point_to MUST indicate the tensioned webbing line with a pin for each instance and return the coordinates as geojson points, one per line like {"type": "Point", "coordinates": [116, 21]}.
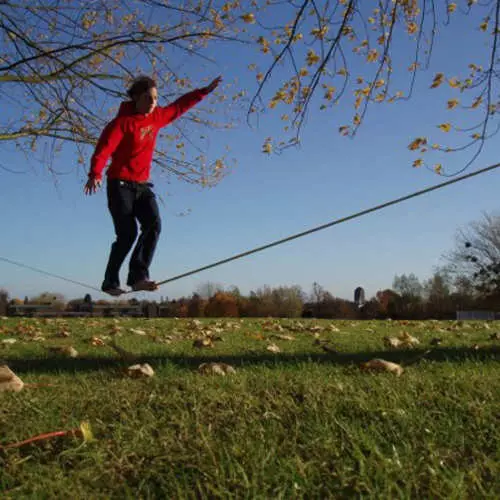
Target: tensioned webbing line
{"type": "Point", "coordinates": [283, 240]}
{"type": "Point", "coordinates": [333, 223]}
{"type": "Point", "coordinates": [10, 261]}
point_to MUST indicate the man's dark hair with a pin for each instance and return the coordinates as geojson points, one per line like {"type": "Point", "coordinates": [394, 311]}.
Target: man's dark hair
{"type": "Point", "coordinates": [140, 85]}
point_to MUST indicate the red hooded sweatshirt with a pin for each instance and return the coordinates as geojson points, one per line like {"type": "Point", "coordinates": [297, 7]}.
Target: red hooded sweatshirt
{"type": "Point", "coordinates": [130, 138]}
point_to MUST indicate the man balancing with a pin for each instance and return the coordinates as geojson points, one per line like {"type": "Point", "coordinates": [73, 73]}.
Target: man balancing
{"type": "Point", "coordinates": [130, 140]}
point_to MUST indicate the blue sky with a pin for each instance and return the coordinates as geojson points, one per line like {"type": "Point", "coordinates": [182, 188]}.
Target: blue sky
{"type": "Point", "coordinates": [264, 198]}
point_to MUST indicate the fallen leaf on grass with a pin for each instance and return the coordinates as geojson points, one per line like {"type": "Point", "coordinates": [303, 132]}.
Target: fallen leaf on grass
{"type": "Point", "coordinates": [436, 341]}
{"type": "Point", "coordinates": [316, 329]}
{"type": "Point", "coordinates": [392, 342]}
{"type": "Point", "coordinates": [140, 370]}
{"type": "Point", "coordinates": [215, 369]}
{"type": "Point", "coordinates": [9, 381]}
{"type": "Point", "coordinates": [137, 331]}
{"type": "Point", "coordinates": [273, 348]}
{"type": "Point", "coordinates": [63, 333]}
{"type": "Point", "coordinates": [84, 431]}
{"type": "Point", "coordinates": [382, 365]}
{"type": "Point", "coordinates": [408, 339]}
{"type": "Point", "coordinates": [195, 323]}
{"type": "Point", "coordinates": [8, 341]}
{"type": "Point", "coordinates": [97, 341]}
{"type": "Point", "coordinates": [203, 342]}
{"type": "Point", "coordinates": [495, 336]}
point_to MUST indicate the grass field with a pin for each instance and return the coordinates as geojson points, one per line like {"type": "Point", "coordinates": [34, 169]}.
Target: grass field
{"type": "Point", "coordinates": [305, 422]}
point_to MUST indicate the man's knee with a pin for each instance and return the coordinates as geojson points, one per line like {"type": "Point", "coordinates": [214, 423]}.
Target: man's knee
{"type": "Point", "coordinates": [153, 226]}
{"type": "Point", "coordinates": [127, 233]}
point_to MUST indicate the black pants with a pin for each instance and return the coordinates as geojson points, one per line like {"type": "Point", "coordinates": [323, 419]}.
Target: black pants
{"type": "Point", "coordinates": [129, 202]}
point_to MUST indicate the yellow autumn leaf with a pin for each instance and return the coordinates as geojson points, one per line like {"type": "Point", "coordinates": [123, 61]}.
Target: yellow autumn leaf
{"type": "Point", "coordinates": [357, 119]}
{"type": "Point", "coordinates": [476, 136]}
{"type": "Point", "coordinates": [454, 83]}
{"type": "Point", "coordinates": [484, 25]}
{"type": "Point", "coordinates": [452, 103]}
{"type": "Point", "coordinates": [445, 127]}
{"type": "Point", "coordinates": [312, 57]}
{"type": "Point", "coordinates": [452, 7]}
{"type": "Point", "coordinates": [358, 102]}
{"type": "Point", "coordinates": [438, 80]}
{"type": "Point", "coordinates": [248, 18]}
{"type": "Point", "coordinates": [438, 168]}
{"type": "Point", "coordinates": [418, 162]}
{"type": "Point", "coordinates": [329, 93]}
{"type": "Point", "coordinates": [86, 432]}
{"type": "Point", "coordinates": [379, 83]}
{"type": "Point", "coordinates": [372, 55]}
{"type": "Point", "coordinates": [417, 143]}
{"type": "Point", "coordinates": [267, 147]}
{"type": "Point", "coordinates": [382, 365]}
{"type": "Point", "coordinates": [320, 32]}
{"type": "Point", "coordinates": [412, 27]}
{"type": "Point", "coordinates": [344, 130]}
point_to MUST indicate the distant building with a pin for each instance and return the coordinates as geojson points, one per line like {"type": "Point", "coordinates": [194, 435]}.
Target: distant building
{"type": "Point", "coordinates": [359, 296]}
{"type": "Point", "coordinates": [478, 315]}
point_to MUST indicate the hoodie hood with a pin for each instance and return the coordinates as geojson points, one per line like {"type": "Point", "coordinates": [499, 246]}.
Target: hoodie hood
{"type": "Point", "coordinates": [127, 108]}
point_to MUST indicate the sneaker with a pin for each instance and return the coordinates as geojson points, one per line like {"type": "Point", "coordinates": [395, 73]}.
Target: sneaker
{"type": "Point", "coordinates": [114, 291]}
{"type": "Point", "coordinates": [145, 285]}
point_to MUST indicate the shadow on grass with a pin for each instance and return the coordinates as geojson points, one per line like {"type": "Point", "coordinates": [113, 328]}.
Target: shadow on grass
{"type": "Point", "coordinates": [88, 363]}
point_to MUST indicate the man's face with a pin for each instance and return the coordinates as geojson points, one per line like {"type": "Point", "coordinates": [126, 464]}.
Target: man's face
{"type": "Point", "coordinates": [147, 101]}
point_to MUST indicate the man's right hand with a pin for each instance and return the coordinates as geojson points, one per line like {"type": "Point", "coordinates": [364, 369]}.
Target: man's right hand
{"type": "Point", "coordinates": [92, 186]}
